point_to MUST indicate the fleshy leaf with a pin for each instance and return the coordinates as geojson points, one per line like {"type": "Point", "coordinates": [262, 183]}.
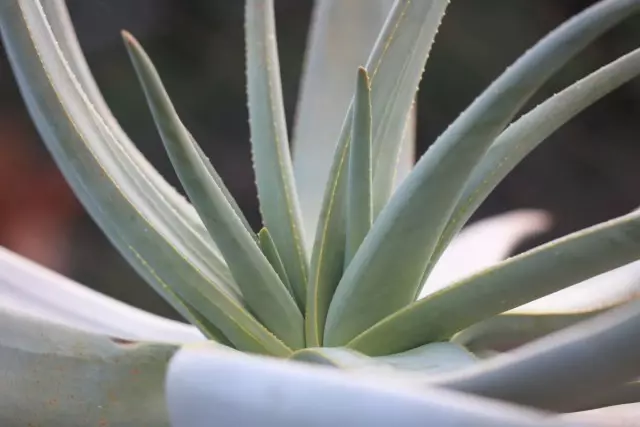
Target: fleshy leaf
{"type": "Point", "coordinates": [56, 376]}
{"type": "Point", "coordinates": [341, 36]}
{"type": "Point", "coordinates": [171, 205]}
{"type": "Point", "coordinates": [270, 145]}
{"type": "Point", "coordinates": [386, 273]}
{"type": "Point", "coordinates": [263, 291]}
{"type": "Point", "coordinates": [270, 251]}
{"type": "Point", "coordinates": [251, 390]}
{"type": "Point", "coordinates": [359, 207]}
{"type": "Point", "coordinates": [563, 370]}
{"type": "Point", "coordinates": [524, 135]}
{"type": "Point", "coordinates": [523, 278]}
{"type": "Point", "coordinates": [38, 292]}
{"type": "Point", "coordinates": [483, 244]}
{"type": "Point", "coordinates": [395, 66]}
{"type": "Point", "coordinates": [110, 185]}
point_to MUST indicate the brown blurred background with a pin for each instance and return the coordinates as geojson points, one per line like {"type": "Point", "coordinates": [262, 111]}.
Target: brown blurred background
{"type": "Point", "coordinates": [586, 173]}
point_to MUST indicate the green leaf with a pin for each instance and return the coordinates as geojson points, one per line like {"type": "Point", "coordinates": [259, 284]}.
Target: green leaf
{"type": "Point", "coordinates": [51, 375]}
{"type": "Point", "coordinates": [395, 64]}
{"type": "Point", "coordinates": [186, 225]}
{"type": "Point", "coordinates": [621, 395]}
{"type": "Point", "coordinates": [507, 285]}
{"type": "Point", "coordinates": [521, 137]}
{"type": "Point", "coordinates": [110, 185]}
{"type": "Point", "coordinates": [341, 36]}
{"type": "Point", "coordinates": [271, 252]}
{"type": "Point", "coordinates": [564, 370]}
{"type": "Point", "coordinates": [336, 357]}
{"type": "Point", "coordinates": [270, 145]}
{"type": "Point", "coordinates": [261, 287]}
{"type": "Point", "coordinates": [385, 275]}
{"type": "Point", "coordinates": [359, 207]}
{"type": "Point", "coordinates": [507, 331]}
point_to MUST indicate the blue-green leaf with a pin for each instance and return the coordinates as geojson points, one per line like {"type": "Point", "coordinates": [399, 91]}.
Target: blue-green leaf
{"type": "Point", "coordinates": [261, 286]}
{"type": "Point", "coordinates": [270, 145]}
{"type": "Point", "coordinates": [564, 370]}
{"type": "Point", "coordinates": [341, 36]}
{"type": "Point", "coordinates": [507, 285]}
{"type": "Point", "coordinates": [359, 207]}
{"type": "Point", "coordinates": [113, 189]}
{"type": "Point", "coordinates": [386, 273]}
{"type": "Point", "coordinates": [271, 252]}
{"type": "Point", "coordinates": [52, 375]}
{"type": "Point", "coordinates": [395, 66]}
{"type": "Point", "coordinates": [521, 137]}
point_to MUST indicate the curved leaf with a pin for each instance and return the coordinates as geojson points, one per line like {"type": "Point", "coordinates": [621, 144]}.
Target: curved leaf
{"type": "Point", "coordinates": [270, 145]}
{"type": "Point", "coordinates": [261, 286]}
{"type": "Point", "coordinates": [564, 370]}
{"type": "Point", "coordinates": [395, 66]}
{"type": "Point", "coordinates": [38, 292]}
{"type": "Point", "coordinates": [510, 284]}
{"type": "Point", "coordinates": [252, 390]}
{"type": "Point", "coordinates": [171, 205]}
{"type": "Point", "coordinates": [52, 375]}
{"type": "Point", "coordinates": [110, 187]}
{"type": "Point", "coordinates": [521, 137]}
{"type": "Point", "coordinates": [386, 273]}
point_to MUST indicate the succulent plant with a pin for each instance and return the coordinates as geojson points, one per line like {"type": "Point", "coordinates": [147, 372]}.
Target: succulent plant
{"type": "Point", "coordinates": [350, 270]}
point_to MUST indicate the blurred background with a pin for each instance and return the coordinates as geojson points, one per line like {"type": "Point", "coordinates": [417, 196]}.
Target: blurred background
{"type": "Point", "coordinates": [585, 173]}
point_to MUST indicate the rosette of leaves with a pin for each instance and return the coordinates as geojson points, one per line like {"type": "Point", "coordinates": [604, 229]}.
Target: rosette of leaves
{"type": "Point", "coordinates": [345, 273]}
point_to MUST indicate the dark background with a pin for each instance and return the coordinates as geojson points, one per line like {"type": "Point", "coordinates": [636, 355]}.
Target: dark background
{"type": "Point", "coordinates": [585, 173]}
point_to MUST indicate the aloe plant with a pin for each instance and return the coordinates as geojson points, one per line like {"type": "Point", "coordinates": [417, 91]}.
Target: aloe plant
{"type": "Point", "coordinates": [363, 267]}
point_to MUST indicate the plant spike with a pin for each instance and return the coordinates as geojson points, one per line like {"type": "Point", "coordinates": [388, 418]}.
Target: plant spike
{"type": "Point", "coordinates": [270, 145]}
{"type": "Point", "coordinates": [359, 207]}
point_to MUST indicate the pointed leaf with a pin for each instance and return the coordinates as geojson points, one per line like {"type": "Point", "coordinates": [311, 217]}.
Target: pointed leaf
{"type": "Point", "coordinates": [521, 137]}
{"type": "Point", "coordinates": [110, 185]}
{"type": "Point", "coordinates": [172, 206]}
{"type": "Point", "coordinates": [563, 370]}
{"type": "Point", "coordinates": [271, 252]}
{"type": "Point", "coordinates": [510, 284]}
{"type": "Point", "coordinates": [507, 331]}
{"type": "Point", "coordinates": [261, 287]}
{"type": "Point", "coordinates": [38, 292]}
{"type": "Point", "coordinates": [341, 36]}
{"type": "Point", "coordinates": [270, 145]}
{"type": "Point", "coordinates": [56, 376]}
{"type": "Point", "coordinates": [260, 391]}
{"type": "Point", "coordinates": [385, 275]}
{"type": "Point", "coordinates": [359, 207]}
{"type": "Point", "coordinates": [395, 65]}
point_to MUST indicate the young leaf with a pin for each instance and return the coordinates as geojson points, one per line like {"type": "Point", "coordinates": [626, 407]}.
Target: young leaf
{"type": "Point", "coordinates": [57, 376]}
{"type": "Point", "coordinates": [341, 36]}
{"type": "Point", "coordinates": [270, 145]}
{"type": "Point", "coordinates": [385, 274]}
{"type": "Point", "coordinates": [510, 284]}
{"type": "Point", "coordinates": [261, 287]}
{"type": "Point", "coordinates": [109, 185]}
{"type": "Point", "coordinates": [395, 64]}
{"type": "Point", "coordinates": [521, 137]}
{"type": "Point", "coordinates": [359, 208]}
{"type": "Point", "coordinates": [564, 370]}
{"type": "Point", "coordinates": [271, 252]}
